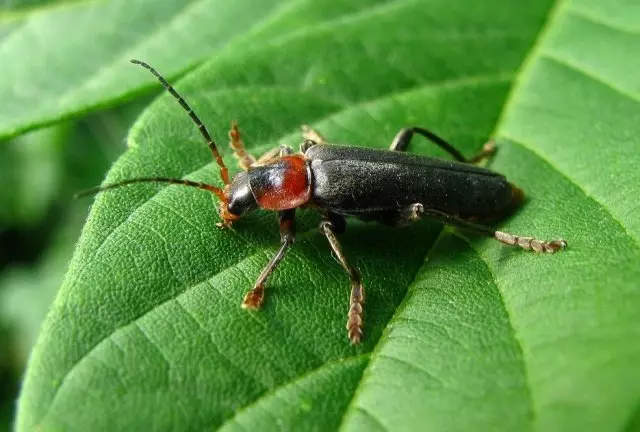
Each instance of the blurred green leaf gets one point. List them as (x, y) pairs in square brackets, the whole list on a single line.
[(147, 332), (8, 382), (26, 292), (82, 152), (31, 168), (78, 53), (5, 418), (43, 169), (10, 7)]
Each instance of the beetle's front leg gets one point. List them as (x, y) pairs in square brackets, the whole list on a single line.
[(528, 243), (356, 299), (283, 150), (255, 297)]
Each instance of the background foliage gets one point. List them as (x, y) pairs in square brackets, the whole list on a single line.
[(461, 333)]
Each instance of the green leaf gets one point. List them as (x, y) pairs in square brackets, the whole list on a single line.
[(8, 7), (78, 52), (31, 169), (81, 152), (461, 334), (26, 293)]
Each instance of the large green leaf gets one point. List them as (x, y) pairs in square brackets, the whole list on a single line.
[(78, 52), (147, 332)]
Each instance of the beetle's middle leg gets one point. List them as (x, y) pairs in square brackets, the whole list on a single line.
[(311, 138), (310, 134), (254, 298), (403, 138), (529, 243), (356, 298)]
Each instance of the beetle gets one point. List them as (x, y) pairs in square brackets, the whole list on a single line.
[(391, 187)]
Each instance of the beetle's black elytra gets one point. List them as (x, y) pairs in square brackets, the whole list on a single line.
[(391, 187)]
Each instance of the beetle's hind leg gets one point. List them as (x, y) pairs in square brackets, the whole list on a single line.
[(403, 138), (528, 243), (356, 298)]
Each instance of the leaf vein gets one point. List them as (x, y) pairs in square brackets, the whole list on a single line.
[(413, 366), (613, 216), (293, 382), (557, 59), (220, 352), (599, 20), (373, 418), (56, 391), (386, 334)]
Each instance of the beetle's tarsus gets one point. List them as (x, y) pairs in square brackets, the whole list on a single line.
[(354, 321), (530, 243), (412, 213), (225, 224), (254, 298), (356, 298), (488, 150)]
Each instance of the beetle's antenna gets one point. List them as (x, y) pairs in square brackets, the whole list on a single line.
[(216, 190), (224, 173)]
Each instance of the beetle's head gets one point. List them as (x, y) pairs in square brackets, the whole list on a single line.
[(240, 199)]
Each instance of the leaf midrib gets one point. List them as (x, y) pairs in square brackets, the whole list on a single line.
[(279, 387)]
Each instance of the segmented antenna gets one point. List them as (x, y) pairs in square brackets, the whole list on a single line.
[(198, 185), (224, 172), (205, 133)]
